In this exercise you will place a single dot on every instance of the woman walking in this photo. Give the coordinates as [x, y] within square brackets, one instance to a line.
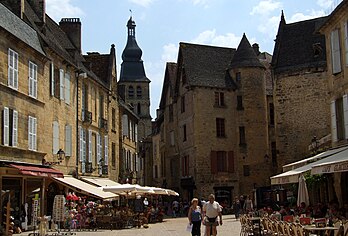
[195, 217]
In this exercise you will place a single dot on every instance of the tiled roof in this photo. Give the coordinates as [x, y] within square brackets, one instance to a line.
[245, 55]
[99, 64]
[296, 45]
[14, 25]
[207, 65]
[169, 82]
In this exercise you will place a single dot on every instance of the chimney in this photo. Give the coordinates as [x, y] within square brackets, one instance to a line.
[256, 49]
[72, 28]
[39, 7]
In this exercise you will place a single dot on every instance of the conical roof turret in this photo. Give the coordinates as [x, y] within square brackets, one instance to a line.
[245, 55]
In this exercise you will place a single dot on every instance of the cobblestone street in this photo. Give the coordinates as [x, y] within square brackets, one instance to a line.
[170, 226]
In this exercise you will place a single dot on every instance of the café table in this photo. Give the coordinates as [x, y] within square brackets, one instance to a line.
[320, 230]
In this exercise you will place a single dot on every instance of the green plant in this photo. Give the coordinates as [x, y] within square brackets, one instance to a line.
[312, 180]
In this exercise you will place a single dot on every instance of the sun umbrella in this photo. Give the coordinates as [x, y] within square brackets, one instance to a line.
[302, 195]
[127, 189]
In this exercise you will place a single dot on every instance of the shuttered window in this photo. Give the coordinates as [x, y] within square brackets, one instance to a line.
[68, 140]
[6, 126]
[335, 52]
[67, 88]
[12, 69]
[99, 152]
[106, 150]
[333, 121]
[90, 152]
[222, 161]
[52, 87]
[10, 127]
[32, 127]
[55, 146]
[61, 84]
[125, 125]
[346, 40]
[32, 80]
[185, 166]
[14, 128]
[213, 161]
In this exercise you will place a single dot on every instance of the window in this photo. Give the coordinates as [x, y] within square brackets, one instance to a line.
[52, 83]
[113, 119]
[274, 154]
[67, 88]
[113, 154]
[222, 161]
[185, 165]
[55, 146]
[184, 133]
[346, 40]
[56, 82]
[172, 141]
[220, 127]
[32, 125]
[10, 127]
[271, 114]
[335, 52]
[106, 150]
[61, 84]
[90, 147]
[340, 119]
[242, 135]
[219, 99]
[246, 170]
[171, 114]
[32, 80]
[240, 103]
[84, 100]
[130, 92]
[99, 152]
[82, 146]
[183, 104]
[68, 140]
[125, 125]
[139, 92]
[238, 77]
[12, 69]
[101, 106]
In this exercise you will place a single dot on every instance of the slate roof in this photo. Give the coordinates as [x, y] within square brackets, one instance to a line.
[207, 65]
[169, 82]
[295, 44]
[14, 25]
[245, 55]
[99, 64]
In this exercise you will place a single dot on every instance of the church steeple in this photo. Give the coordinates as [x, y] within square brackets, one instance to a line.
[132, 68]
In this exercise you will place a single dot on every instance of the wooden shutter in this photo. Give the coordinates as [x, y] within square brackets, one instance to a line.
[345, 115]
[125, 125]
[55, 146]
[34, 133]
[335, 52]
[106, 150]
[68, 140]
[90, 146]
[61, 84]
[213, 157]
[52, 78]
[6, 125]
[30, 136]
[31, 78]
[346, 40]
[67, 88]
[136, 132]
[15, 129]
[81, 143]
[230, 161]
[333, 121]
[99, 147]
[10, 68]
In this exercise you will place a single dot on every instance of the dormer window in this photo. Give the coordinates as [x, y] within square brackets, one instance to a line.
[317, 49]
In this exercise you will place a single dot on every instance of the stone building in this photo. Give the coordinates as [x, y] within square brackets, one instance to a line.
[300, 89]
[215, 121]
[45, 95]
[335, 30]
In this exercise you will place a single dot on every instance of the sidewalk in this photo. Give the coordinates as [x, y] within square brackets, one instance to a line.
[170, 227]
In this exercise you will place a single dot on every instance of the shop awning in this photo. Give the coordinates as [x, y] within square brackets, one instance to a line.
[100, 182]
[319, 156]
[37, 171]
[334, 163]
[290, 176]
[85, 188]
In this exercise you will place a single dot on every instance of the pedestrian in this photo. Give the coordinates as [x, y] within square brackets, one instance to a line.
[175, 207]
[248, 205]
[242, 200]
[211, 211]
[195, 217]
[236, 207]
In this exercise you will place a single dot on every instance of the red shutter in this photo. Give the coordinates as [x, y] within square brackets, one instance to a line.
[230, 161]
[213, 156]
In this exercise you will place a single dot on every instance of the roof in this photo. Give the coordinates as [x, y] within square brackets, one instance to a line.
[207, 65]
[298, 46]
[245, 55]
[17, 27]
[342, 7]
[169, 82]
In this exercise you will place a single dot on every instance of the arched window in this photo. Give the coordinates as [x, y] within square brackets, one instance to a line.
[130, 91]
[139, 92]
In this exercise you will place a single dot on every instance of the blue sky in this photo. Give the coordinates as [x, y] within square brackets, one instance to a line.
[163, 24]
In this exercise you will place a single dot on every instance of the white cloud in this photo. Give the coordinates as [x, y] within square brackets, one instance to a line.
[301, 17]
[210, 37]
[143, 3]
[265, 7]
[325, 3]
[170, 52]
[58, 9]
[270, 26]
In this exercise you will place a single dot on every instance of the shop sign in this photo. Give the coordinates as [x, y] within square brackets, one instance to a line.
[339, 167]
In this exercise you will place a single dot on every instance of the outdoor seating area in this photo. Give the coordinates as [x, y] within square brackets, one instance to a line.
[273, 226]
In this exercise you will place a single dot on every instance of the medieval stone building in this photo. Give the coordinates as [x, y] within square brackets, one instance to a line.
[215, 121]
[300, 89]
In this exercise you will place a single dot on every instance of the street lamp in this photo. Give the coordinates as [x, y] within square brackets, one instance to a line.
[60, 156]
